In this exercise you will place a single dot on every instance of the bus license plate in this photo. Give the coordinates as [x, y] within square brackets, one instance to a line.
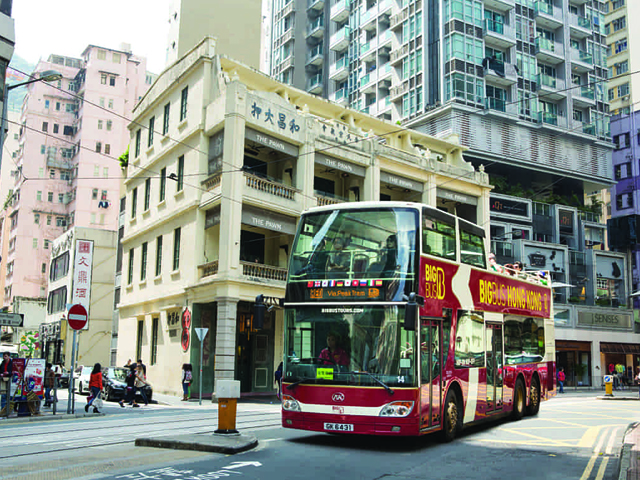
[339, 427]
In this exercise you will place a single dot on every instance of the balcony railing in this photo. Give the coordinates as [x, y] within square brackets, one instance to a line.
[268, 272]
[542, 6]
[496, 104]
[580, 21]
[493, 26]
[322, 201]
[548, 117]
[208, 269]
[340, 94]
[317, 24]
[212, 182]
[341, 35]
[314, 82]
[267, 186]
[581, 56]
[315, 52]
[587, 92]
[545, 44]
[546, 80]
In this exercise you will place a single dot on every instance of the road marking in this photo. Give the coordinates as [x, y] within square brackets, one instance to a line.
[589, 437]
[524, 434]
[603, 467]
[598, 447]
[609, 449]
[587, 471]
[528, 443]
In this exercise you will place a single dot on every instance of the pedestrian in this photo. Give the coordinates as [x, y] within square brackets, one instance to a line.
[6, 368]
[638, 381]
[141, 383]
[561, 378]
[144, 367]
[278, 378]
[187, 378]
[130, 392]
[95, 387]
[49, 382]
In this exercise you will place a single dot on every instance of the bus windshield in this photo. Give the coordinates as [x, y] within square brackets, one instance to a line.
[332, 345]
[377, 245]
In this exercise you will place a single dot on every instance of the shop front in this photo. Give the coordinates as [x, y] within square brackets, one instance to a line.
[575, 358]
[623, 358]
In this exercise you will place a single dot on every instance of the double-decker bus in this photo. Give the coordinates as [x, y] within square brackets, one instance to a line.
[394, 324]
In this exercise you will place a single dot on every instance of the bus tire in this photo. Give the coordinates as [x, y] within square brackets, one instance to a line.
[534, 398]
[451, 417]
[519, 400]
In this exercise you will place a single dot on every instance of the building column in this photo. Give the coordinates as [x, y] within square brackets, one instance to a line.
[305, 168]
[225, 354]
[372, 181]
[429, 195]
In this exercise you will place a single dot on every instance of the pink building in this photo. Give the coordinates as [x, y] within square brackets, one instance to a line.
[67, 171]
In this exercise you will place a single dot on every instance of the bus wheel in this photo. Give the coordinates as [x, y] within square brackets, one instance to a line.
[518, 400]
[534, 398]
[451, 417]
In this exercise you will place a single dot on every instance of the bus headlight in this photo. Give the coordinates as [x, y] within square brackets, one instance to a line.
[396, 409]
[289, 403]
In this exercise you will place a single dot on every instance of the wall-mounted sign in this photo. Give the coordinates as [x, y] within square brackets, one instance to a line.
[268, 220]
[271, 142]
[509, 207]
[537, 260]
[82, 269]
[212, 218]
[605, 320]
[341, 165]
[401, 182]
[456, 196]
[216, 149]
[565, 218]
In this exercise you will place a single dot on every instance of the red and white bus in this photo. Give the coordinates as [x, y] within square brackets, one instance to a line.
[396, 325]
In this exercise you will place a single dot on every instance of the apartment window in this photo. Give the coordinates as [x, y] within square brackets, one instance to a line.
[183, 103]
[176, 248]
[116, 57]
[619, 23]
[112, 81]
[57, 300]
[143, 262]
[134, 202]
[130, 275]
[102, 55]
[36, 218]
[47, 104]
[623, 90]
[50, 196]
[48, 219]
[39, 195]
[96, 170]
[101, 102]
[41, 172]
[111, 103]
[43, 269]
[165, 119]
[65, 176]
[147, 193]
[46, 244]
[154, 340]
[61, 222]
[179, 183]
[612, 94]
[105, 172]
[620, 45]
[35, 243]
[137, 145]
[107, 148]
[43, 149]
[58, 106]
[152, 122]
[99, 147]
[109, 125]
[163, 183]
[99, 124]
[70, 108]
[56, 128]
[159, 255]
[103, 78]
[45, 126]
[622, 67]
[93, 219]
[94, 194]
[624, 201]
[139, 339]
[104, 195]
[622, 171]
[61, 198]
[52, 173]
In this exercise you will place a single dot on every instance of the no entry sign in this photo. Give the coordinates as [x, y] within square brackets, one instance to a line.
[77, 317]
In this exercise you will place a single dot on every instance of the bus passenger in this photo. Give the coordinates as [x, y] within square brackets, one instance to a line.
[333, 354]
[391, 254]
[339, 259]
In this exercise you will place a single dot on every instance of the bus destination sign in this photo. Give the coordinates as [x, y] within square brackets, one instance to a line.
[345, 290]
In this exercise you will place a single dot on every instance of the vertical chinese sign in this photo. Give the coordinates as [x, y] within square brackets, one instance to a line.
[82, 267]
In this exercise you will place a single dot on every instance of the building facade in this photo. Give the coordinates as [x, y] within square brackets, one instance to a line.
[71, 134]
[240, 157]
[7, 44]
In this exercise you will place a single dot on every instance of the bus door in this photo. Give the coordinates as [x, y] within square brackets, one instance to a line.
[495, 364]
[430, 369]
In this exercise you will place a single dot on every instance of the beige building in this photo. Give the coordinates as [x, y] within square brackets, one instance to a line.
[624, 55]
[213, 198]
[237, 26]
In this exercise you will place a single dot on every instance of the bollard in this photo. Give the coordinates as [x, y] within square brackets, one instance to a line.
[608, 385]
[227, 393]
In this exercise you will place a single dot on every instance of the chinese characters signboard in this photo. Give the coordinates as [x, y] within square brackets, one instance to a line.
[82, 268]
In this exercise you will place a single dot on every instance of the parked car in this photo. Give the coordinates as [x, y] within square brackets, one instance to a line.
[115, 387]
[62, 376]
[83, 376]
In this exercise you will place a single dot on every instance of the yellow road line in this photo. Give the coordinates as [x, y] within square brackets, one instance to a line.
[603, 467]
[523, 442]
[563, 422]
[589, 467]
[609, 449]
[524, 434]
[598, 447]
[589, 437]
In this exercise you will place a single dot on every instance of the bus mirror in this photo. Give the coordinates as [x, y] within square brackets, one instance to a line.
[410, 313]
[259, 312]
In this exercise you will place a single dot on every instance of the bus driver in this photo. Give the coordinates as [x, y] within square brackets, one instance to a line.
[333, 354]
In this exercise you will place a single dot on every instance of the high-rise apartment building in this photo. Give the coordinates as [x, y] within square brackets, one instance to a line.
[66, 171]
[7, 42]
[622, 40]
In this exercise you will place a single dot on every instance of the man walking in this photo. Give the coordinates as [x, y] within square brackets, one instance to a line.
[144, 367]
[6, 368]
[561, 379]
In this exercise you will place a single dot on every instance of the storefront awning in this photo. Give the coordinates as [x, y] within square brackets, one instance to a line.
[629, 348]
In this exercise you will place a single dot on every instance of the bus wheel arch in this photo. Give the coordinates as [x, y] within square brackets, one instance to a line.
[534, 395]
[453, 412]
[519, 398]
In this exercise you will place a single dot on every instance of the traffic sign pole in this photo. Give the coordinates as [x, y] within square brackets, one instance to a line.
[77, 319]
[72, 379]
[202, 333]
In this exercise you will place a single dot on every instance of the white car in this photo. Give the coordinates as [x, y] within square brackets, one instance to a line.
[83, 376]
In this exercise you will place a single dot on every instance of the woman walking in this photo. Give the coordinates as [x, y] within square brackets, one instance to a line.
[141, 382]
[187, 378]
[95, 386]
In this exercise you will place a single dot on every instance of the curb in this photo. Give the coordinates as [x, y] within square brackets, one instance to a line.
[45, 418]
[625, 453]
[619, 398]
[215, 443]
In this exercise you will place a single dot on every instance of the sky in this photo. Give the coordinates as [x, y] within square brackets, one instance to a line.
[65, 28]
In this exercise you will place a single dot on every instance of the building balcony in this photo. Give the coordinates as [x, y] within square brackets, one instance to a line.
[266, 191]
[499, 73]
[384, 74]
[385, 40]
[497, 34]
[323, 201]
[398, 54]
[314, 84]
[580, 27]
[316, 28]
[583, 96]
[208, 269]
[549, 119]
[340, 96]
[396, 93]
[549, 51]
[264, 272]
[368, 19]
[547, 15]
[550, 88]
[62, 164]
[581, 61]
[339, 41]
[315, 5]
[315, 56]
[385, 7]
[500, 106]
[368, 82]
[340, 11]
[577, 126]
[338, 71]
[287, 63]
[500, 5]
[398, 19]
[368, 50]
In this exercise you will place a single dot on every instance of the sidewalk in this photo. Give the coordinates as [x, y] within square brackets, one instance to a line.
[630, 455]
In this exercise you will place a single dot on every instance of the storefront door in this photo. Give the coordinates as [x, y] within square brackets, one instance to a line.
[254, 360]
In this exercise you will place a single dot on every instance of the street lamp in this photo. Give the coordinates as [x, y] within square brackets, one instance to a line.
[45, 76]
